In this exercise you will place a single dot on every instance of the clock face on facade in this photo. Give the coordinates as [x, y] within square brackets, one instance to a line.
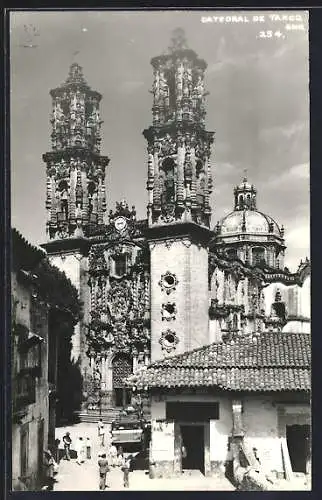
[120, 224]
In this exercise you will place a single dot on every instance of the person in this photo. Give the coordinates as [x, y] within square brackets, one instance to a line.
[49, 470]
[120, 456]
[101, 431]
[67, 442]
[21, 484]
[80, 448]
[125, 468]
[113, 454]
[88, 448]
[103, 470]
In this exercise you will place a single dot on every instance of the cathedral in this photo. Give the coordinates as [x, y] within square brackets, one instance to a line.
[170, 283]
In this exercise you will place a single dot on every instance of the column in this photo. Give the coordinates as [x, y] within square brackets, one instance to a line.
[238, 430]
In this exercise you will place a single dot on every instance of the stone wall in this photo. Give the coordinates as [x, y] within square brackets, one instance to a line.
[189, 264]
[261, 431]
[38, 411]
[217, 433]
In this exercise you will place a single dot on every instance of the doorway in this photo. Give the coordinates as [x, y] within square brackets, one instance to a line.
[193, 441]
[298, 441]
[122, 366]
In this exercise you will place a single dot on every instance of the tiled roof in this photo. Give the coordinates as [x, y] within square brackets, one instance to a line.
[272, 362]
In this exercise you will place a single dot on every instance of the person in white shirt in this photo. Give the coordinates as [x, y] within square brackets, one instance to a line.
[80, 450]
[113, 455]
[101, 431]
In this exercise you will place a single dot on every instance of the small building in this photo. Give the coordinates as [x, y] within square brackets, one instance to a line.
[252, 391]
[34, 336]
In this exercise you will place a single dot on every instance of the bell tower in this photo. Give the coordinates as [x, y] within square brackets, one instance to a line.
[179, 175]
[76, 199]
[179, 185]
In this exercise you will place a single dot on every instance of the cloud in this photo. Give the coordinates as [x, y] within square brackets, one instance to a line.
[225, 169]
[130, 86]
[291, 177]
[288, 131]
[297, 242]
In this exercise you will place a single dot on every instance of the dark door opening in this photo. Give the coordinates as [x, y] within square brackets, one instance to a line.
[298, 437]
[193, 442]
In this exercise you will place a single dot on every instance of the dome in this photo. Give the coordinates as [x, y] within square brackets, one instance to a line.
[249, 222]
[244, 185]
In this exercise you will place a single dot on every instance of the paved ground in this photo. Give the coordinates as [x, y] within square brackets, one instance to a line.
[84, 477]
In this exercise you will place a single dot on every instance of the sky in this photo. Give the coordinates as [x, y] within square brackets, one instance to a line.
[258, 105]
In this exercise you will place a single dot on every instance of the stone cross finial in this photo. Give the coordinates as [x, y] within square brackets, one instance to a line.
[178, 40]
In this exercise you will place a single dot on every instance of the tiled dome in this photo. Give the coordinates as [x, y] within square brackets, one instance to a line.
[248, 221]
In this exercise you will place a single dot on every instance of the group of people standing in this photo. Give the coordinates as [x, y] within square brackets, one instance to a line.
[113, 458]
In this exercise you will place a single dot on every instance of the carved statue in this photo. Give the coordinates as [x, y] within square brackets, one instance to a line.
[200, 88]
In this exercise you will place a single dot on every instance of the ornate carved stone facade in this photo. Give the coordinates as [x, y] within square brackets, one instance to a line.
[198, 285]
[76, 193]
[179, 174]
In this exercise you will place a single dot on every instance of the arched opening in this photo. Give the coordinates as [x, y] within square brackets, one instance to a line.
[168, 195]
[232, 253]
[258, 256]
[119, 264]
[91, 188]
[241, 201]
[122, 367]
[235, 322]
[63, 195]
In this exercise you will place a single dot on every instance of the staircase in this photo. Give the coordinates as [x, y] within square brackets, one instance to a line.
[107, 415]
[92, 417]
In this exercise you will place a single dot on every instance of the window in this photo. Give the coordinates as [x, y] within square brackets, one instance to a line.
[120, 265]
[232, 253]
[258, 254]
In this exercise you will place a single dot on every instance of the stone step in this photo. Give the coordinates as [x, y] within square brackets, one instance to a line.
[94, 416]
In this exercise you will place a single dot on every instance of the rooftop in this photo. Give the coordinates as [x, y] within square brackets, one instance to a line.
[271, 362]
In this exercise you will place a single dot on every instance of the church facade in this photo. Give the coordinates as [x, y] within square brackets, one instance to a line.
[170, 283]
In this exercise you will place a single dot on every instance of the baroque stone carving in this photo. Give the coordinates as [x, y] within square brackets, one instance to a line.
[168, 282]
[168, 340]
[168, 311]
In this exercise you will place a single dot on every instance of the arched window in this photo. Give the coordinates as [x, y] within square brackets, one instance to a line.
[168, 194]
[119, 264]
[241, 201]
[232, 253]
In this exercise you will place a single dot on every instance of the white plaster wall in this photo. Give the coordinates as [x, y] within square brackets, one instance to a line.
[261, 431]
[190, 265]
[70, 265]
[269, 295]
[215, 334]
[297, 327]
[220, 430]
[158, 410]
[305, 294]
